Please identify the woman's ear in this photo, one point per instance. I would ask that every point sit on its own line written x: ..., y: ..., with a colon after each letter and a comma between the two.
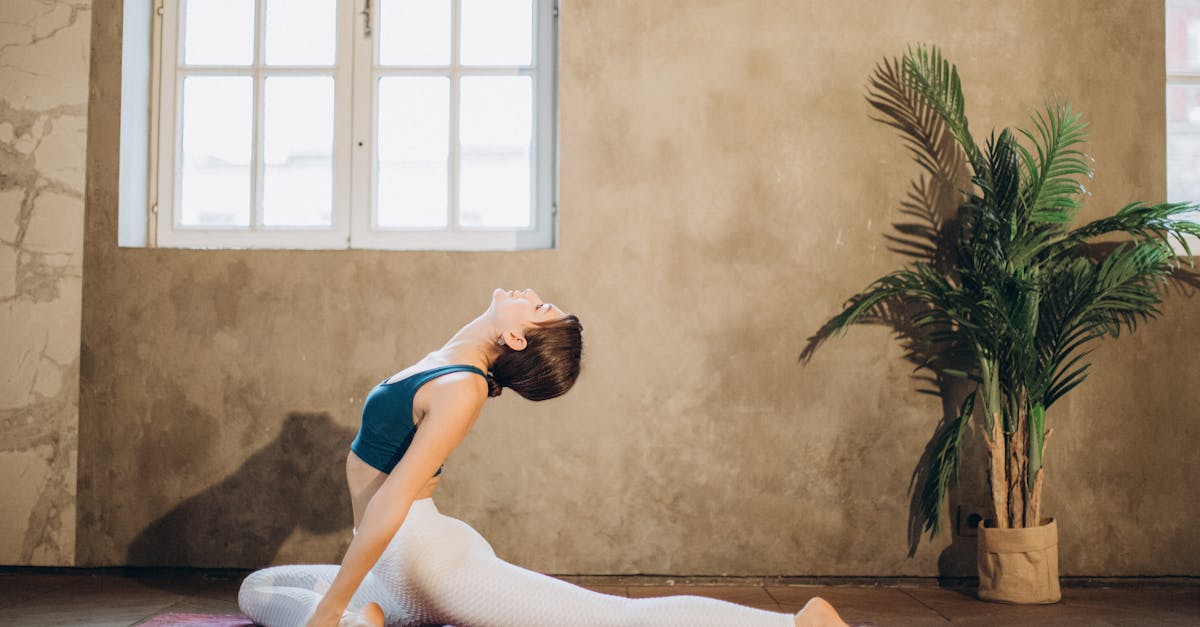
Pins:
x: 514, y: 340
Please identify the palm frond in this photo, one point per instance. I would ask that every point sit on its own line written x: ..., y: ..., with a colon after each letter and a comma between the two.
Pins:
x: 1006, y: 294
x: 1052, y: 189
x: 918, y: 283
x: 1086, y: 300
x: 1143, y: 221
x: 1002, y: 202
x: 944, y: 467
x: 936, y: 79
x: 903, y: 108
x: 1065, y: 382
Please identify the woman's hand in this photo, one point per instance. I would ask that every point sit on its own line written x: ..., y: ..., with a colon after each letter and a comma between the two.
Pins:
x: 453, y: 407
x: 324, y: 616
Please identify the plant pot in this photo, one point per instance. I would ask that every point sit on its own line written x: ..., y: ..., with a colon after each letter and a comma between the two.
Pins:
x: 1019, y: 565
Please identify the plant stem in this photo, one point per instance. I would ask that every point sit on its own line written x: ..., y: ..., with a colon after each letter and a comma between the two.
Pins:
x: 1018, y: 462
x: 997, y: 475
x: 1033, y: 507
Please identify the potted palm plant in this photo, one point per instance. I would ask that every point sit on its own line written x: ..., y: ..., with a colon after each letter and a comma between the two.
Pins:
x: 1007, y: 295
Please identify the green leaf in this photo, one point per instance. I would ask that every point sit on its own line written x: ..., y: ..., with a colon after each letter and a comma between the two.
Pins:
x: 1006, y: 293
x: 1052, y: 188
x: 944, y: 466
x: 903, y: 108
x: 1142, y: 222
x: 936, y: 80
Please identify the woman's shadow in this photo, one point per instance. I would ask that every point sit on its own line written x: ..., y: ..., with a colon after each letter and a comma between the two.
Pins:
x: 295, y: 482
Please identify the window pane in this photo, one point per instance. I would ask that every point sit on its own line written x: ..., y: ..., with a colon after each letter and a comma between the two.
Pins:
x: 414, y: 131
x: 497, y: 32
x: 218, y: 32
x: 298, y: 151
x: 1183, y: 36
x: 301, y: 32
x: 1183, y: 143
x: 414, y: 32
x: 215, y: 177
x: 496, y: 137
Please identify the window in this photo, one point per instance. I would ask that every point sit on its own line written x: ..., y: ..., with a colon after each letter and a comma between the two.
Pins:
x: 403, y: 124
x: 1183, y: 101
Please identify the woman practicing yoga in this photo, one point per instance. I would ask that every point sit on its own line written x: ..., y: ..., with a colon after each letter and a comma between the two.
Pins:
x: 409, y: 564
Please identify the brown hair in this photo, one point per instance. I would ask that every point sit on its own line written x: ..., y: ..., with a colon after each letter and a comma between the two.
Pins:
x: 547, y: 367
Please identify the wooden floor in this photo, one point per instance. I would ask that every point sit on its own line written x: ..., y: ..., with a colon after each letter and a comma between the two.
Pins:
x: 35, y: 597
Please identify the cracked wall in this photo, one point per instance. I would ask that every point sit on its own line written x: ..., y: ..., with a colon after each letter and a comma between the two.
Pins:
x: 44, y: 68
x: 723, y: 191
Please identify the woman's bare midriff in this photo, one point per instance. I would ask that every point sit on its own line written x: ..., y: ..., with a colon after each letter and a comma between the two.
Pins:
x: 364, y: 481
x: 362, y: 478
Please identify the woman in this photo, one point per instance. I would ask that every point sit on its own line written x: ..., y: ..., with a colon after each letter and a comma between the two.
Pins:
x: 408, y: 563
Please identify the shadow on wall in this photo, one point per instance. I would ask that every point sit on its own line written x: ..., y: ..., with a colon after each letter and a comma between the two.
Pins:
x: 927, y: 233
x: 296, y: 481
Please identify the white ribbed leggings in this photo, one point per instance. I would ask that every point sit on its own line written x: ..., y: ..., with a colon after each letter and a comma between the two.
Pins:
x: 438, y: 569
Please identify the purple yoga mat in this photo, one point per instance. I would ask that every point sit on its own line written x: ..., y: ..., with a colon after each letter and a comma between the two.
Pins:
x: 203, y: 620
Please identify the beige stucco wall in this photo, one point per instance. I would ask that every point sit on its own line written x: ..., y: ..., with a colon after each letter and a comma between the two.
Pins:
x: 723, y: 190
x: 43, y: 132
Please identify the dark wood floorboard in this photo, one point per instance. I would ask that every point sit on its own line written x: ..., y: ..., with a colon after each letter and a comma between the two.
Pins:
x: 120, y: 598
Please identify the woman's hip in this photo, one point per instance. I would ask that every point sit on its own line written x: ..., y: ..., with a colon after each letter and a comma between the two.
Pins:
x: 429, y: 535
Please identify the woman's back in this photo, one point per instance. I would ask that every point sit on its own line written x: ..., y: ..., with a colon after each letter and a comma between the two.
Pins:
x: 384, y: 435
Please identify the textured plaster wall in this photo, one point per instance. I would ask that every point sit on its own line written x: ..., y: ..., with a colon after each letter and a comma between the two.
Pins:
x: 43, y: 133
x: 723, y: 190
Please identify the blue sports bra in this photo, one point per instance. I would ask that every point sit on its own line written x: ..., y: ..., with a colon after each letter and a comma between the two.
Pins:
x: 387, y: 427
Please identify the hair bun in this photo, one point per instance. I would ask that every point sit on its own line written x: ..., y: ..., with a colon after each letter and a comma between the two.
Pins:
x: 494, y: 387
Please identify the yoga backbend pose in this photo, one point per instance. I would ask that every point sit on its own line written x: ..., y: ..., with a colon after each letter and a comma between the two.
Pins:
x: 408, y: 563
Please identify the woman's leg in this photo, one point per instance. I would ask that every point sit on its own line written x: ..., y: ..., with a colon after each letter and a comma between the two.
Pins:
x: 449, y: 569
x: 490, y: 591
x: 285, y: 596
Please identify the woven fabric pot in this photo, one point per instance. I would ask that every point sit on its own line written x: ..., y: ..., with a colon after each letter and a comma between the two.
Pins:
x: 1019, y: 565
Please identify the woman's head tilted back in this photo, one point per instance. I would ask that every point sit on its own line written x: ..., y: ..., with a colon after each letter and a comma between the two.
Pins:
x: 541, y: 346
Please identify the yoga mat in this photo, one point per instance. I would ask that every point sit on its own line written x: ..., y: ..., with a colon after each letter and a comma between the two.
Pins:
x: 202, y: 620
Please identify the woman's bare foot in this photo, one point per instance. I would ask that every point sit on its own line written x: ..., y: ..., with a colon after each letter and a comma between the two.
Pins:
x: 818, y: 613
x: 369, y: 616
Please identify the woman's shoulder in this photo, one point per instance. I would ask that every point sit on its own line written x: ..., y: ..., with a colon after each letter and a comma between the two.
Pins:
x: 453, y: 383
x: 458, y: 392
x: 428, y: 369
x: 459, y: 380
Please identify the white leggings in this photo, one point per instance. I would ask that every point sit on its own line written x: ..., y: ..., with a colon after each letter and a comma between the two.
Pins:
x: 438, y: 569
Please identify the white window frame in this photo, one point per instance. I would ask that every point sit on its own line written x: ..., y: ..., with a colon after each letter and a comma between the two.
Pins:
x: 356, y: 77
x: 1192, y: 35
x: 1177, y: 78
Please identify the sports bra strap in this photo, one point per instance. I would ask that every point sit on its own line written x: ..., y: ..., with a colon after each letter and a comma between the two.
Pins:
x: 421, y: 378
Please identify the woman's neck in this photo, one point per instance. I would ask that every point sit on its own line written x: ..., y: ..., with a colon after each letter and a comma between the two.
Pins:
x: 474, y: 344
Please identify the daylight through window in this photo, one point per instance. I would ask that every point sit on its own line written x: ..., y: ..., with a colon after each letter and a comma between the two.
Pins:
x: 412, y: 124
x: 1183, y: 100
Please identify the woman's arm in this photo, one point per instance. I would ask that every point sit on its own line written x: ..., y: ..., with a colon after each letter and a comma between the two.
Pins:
x: 454, y: 405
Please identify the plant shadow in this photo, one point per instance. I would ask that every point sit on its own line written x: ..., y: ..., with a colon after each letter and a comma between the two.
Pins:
x: 927, y: 232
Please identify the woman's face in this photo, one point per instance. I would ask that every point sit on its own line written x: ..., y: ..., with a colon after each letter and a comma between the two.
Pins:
x: 514, y: 311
